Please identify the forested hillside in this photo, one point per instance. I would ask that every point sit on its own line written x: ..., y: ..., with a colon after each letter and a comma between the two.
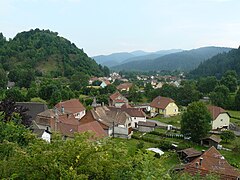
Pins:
x: 43, y: 52
x: 219, y: 64
x: 184, y: 61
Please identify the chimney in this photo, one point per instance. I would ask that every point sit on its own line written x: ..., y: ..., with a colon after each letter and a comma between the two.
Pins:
x: 201, y: 159
x: 62, y: 109
x: 94, y: 103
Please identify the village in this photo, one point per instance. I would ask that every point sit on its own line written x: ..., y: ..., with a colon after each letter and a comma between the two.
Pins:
x: 151, y: 126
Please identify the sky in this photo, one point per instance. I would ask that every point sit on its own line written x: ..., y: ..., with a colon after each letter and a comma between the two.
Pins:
x: 108, y: 26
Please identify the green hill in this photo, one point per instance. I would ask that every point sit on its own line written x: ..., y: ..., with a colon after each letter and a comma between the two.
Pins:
x: 46, y: 53
x: 184, y: 61
x: 219, y: 64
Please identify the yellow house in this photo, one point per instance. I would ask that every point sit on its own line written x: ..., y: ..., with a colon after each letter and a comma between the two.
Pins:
x: 220, y: 117
x: 163, y: 106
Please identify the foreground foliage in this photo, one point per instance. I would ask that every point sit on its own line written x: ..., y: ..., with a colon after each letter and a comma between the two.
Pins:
x: 78, y: 158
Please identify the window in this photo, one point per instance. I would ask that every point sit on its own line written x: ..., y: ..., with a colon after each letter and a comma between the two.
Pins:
x: 221, y: 119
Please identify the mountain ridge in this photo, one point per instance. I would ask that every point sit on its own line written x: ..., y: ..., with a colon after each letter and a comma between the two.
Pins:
x: 183, y: 61
x: 219, y: 64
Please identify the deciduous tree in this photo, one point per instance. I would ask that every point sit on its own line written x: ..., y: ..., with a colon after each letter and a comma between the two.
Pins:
x: 196, y: 121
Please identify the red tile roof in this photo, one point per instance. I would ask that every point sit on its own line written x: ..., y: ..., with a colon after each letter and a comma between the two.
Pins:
x: 67, y: 129
x: 94, y: 127
x: 107, y: 82
x: 73, y: 106
x: 215, y: 111
x: 212, y: 162
x: 134, y: 112
x: 118, y: 97
x: 115, y: 95
x: 124, y: 86
x: 161, y: 102
x: 69, y: 125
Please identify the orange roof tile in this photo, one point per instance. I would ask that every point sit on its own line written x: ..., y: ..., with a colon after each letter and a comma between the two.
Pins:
x: 212, y: 162
x: 73, y: 106
x: 94, y: 127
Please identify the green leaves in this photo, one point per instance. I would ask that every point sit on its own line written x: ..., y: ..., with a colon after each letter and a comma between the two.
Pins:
x: 196, y: 121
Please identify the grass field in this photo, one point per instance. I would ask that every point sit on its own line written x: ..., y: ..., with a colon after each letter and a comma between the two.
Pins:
x: 168, y: 160
x: 235, y: 114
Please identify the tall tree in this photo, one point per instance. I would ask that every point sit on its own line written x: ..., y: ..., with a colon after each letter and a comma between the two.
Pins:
x: 220, y: 96
x: 207, y: 84
x: 229, y: 79
x: 237, y: 100
x: 196, y: 121
x: 187, y: 93
x: 3, y: 78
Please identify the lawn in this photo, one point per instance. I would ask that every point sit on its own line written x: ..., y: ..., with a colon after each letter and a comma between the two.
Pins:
x: 174, y: 120
x: 235, y: 114
x: 168, y: 160
x: 132, y: 144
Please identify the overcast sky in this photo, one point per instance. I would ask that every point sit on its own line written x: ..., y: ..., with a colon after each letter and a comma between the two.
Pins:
x: 107, y: 26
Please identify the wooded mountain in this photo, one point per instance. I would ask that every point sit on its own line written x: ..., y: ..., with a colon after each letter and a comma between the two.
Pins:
x: 219, y: 64
x: 46, y: 53
x: 124, y: 57
x: 184, y: 61
x: 112, y: 59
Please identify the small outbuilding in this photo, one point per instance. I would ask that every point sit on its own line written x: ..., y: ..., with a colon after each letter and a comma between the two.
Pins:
x: 146, y: 126
x: 212, y: 140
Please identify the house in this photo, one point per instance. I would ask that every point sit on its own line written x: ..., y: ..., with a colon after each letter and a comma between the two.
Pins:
x: 91, y: 80
x: 42, y: 134
x: 117, y: 100
x: 144, y: 107
x: 146, y: 126
x: 163, y: 106
x: 72, y: 106
x: 189, y: 154
x: 212, y: 140
x: 137, y: 115
x: 220, y: 117
x: 124, y: 86
x: 67, y: 124
x: 212, y: 162
x: 117, y: 123
x: 105, y: 83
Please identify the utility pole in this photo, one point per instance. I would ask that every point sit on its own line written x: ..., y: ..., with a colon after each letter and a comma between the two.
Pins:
x: 113, y: 128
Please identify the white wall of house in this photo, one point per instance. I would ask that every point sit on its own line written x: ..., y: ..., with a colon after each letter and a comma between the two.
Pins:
x: 103, y: 85
x: 118, y: 105
x: 79, y: 115
x: 135, y: 120
x: 221, y: 121
x: 46, y: 136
